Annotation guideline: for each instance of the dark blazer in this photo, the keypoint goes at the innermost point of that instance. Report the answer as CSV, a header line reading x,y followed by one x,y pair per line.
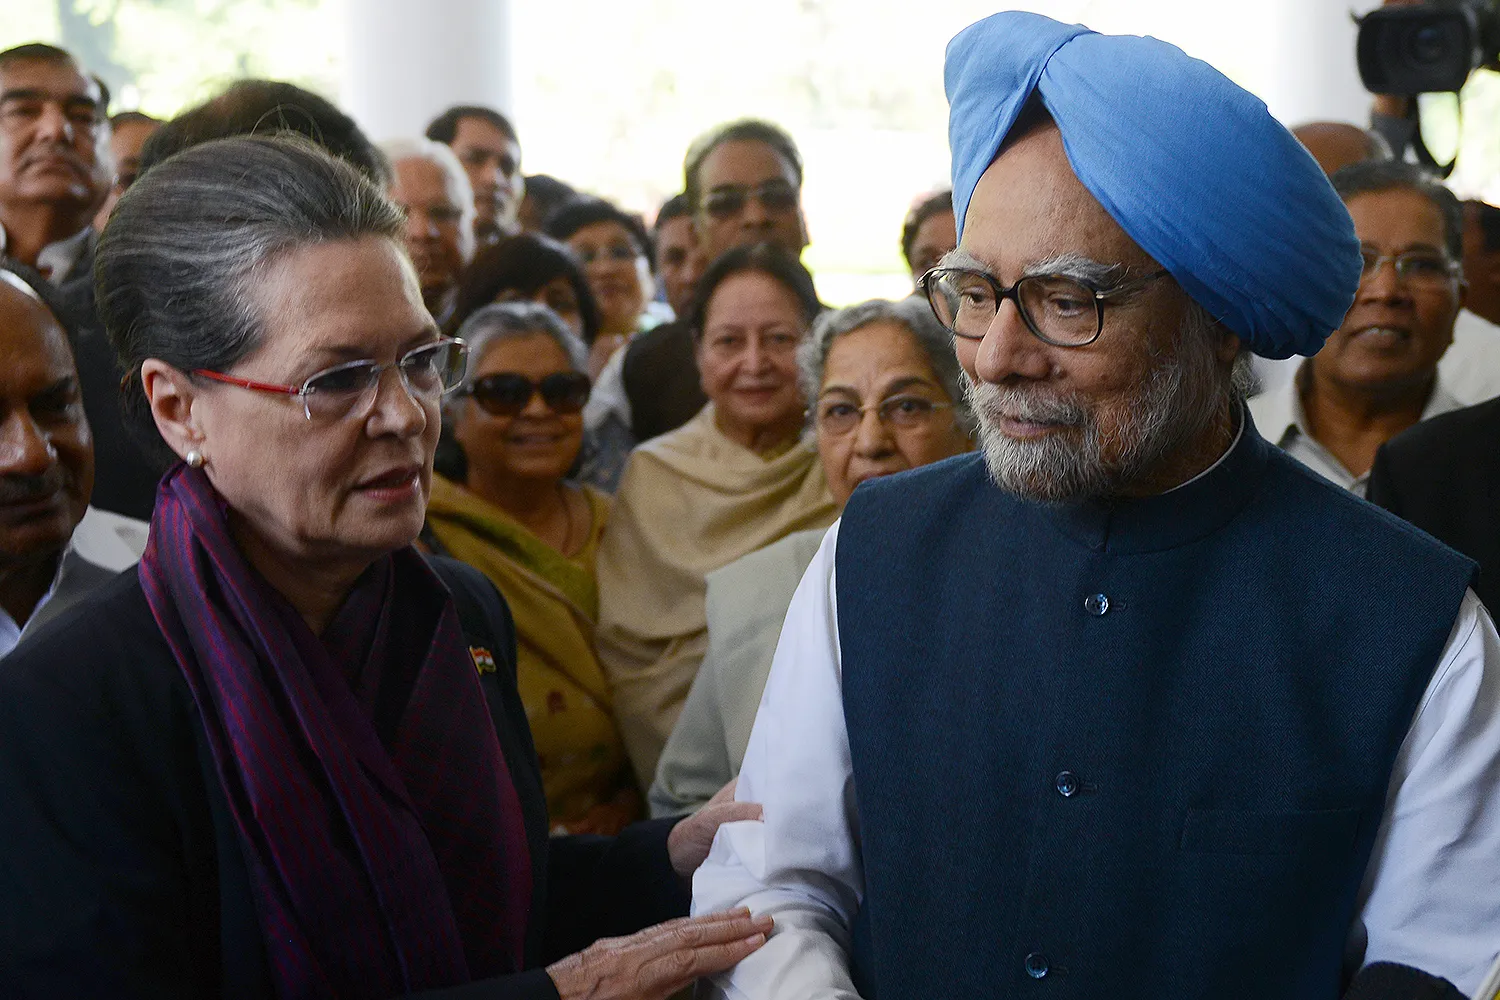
x,y
1443,475
660,373
121,874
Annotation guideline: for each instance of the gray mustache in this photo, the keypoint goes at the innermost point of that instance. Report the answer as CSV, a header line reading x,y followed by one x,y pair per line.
x,y
1032,405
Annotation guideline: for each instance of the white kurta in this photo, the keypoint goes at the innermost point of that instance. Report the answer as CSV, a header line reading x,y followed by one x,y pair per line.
x,y
1431,897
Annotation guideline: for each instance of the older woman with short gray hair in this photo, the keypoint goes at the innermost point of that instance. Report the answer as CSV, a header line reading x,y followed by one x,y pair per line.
x,y
886,395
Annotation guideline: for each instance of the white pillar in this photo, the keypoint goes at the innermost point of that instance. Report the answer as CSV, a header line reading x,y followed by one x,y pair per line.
x,y
1316,76
407,60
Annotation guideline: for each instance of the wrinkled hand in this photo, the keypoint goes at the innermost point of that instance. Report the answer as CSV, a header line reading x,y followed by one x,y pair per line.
x,y
690,840
660,960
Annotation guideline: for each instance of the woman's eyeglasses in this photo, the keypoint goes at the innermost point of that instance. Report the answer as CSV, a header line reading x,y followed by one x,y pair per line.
x,y
427,373
506,394
622,253
839,416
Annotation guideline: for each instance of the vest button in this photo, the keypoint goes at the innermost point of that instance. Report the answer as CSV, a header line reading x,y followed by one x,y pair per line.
x,y
1068,784
1096,604
1036,965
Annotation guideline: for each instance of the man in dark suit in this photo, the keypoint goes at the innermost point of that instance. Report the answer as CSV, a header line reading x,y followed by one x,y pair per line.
x,y
55,171
744,185
55,168
1443,476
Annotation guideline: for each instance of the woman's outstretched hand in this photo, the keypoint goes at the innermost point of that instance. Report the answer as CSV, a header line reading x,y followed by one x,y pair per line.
x,y
689,842
660,960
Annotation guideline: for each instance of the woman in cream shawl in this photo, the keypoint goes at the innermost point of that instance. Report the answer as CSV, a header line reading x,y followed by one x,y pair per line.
x,y
518,418
733,479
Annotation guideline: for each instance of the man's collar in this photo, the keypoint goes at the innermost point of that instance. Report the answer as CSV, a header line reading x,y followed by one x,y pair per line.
x,y
56,261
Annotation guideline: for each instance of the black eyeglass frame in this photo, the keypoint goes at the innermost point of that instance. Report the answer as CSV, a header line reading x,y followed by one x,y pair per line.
x,y
928,283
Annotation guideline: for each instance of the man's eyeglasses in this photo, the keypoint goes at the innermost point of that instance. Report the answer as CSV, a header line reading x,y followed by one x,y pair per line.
x,y
506,394
427,373
1417,268
1058,310
839,416
729,200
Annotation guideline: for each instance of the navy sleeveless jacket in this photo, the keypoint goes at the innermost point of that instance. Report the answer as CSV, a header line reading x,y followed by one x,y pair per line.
x,y
1136,750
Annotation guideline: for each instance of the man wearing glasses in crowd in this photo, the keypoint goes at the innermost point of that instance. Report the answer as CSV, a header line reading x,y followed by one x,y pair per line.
x,y
55,168
1378,374
744,185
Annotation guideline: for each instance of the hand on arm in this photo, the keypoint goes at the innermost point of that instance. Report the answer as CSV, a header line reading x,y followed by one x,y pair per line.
x,y
660,960
691,839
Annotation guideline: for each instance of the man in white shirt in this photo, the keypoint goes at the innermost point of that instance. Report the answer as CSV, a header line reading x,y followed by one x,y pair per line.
x,y
46,474
1378,373
55,168
1130,704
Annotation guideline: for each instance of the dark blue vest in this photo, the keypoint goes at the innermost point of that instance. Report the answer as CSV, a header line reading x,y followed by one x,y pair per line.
x,y
1136,750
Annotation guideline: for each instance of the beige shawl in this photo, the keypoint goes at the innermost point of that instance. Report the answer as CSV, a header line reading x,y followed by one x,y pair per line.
x,y
690,502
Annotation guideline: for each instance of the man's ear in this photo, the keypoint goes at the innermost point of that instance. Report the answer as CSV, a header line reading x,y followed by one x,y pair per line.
x,y
171,396
1230,346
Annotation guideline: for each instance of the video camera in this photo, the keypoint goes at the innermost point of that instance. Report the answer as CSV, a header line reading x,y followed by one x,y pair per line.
x,y
1427,47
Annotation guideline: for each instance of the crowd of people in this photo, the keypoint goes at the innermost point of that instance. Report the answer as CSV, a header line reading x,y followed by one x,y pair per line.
x,y
420,577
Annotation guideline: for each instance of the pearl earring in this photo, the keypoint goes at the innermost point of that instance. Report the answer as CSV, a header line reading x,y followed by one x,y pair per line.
x,y
194,459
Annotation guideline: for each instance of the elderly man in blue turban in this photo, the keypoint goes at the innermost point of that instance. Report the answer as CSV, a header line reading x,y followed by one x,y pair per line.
x,y
1128,704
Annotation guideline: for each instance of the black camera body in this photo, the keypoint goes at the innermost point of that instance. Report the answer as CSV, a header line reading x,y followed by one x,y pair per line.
x,y
1428,47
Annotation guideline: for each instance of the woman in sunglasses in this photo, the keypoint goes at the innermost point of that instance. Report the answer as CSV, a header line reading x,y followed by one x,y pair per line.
x,y
516,518
736,477
287,756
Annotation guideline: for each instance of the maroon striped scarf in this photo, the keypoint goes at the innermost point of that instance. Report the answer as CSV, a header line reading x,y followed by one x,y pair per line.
x,y
384,838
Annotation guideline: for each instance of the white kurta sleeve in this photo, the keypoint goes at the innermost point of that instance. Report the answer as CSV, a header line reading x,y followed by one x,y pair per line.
x,y
1432,895
802,864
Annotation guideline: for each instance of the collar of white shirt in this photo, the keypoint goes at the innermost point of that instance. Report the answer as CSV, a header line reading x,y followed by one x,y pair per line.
x,y
1282,420
56,259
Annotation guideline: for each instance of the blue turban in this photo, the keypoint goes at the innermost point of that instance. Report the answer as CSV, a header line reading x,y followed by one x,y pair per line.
x,y
1191,166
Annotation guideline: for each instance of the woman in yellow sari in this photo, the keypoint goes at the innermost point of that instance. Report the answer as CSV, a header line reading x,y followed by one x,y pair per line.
x,y
518,417
735,478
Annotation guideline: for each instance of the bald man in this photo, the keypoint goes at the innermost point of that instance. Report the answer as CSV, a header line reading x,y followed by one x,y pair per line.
x,y
46,474
1336,145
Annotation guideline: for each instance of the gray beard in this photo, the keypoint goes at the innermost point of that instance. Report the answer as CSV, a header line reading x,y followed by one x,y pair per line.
x,y
1174,404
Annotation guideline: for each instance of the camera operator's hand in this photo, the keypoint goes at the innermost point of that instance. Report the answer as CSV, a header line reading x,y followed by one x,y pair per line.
x,y
660,960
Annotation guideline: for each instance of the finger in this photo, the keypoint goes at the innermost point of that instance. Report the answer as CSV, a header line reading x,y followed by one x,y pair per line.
x,y
738,913
733,812
725,794
677,969
700,932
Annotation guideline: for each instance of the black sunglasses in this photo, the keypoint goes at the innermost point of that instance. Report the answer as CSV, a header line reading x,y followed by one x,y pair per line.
x,y
506,394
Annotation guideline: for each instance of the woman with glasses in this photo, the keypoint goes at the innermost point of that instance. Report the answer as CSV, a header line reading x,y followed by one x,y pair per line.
x,y
736,477
287,757
616,256
887,396
516,518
